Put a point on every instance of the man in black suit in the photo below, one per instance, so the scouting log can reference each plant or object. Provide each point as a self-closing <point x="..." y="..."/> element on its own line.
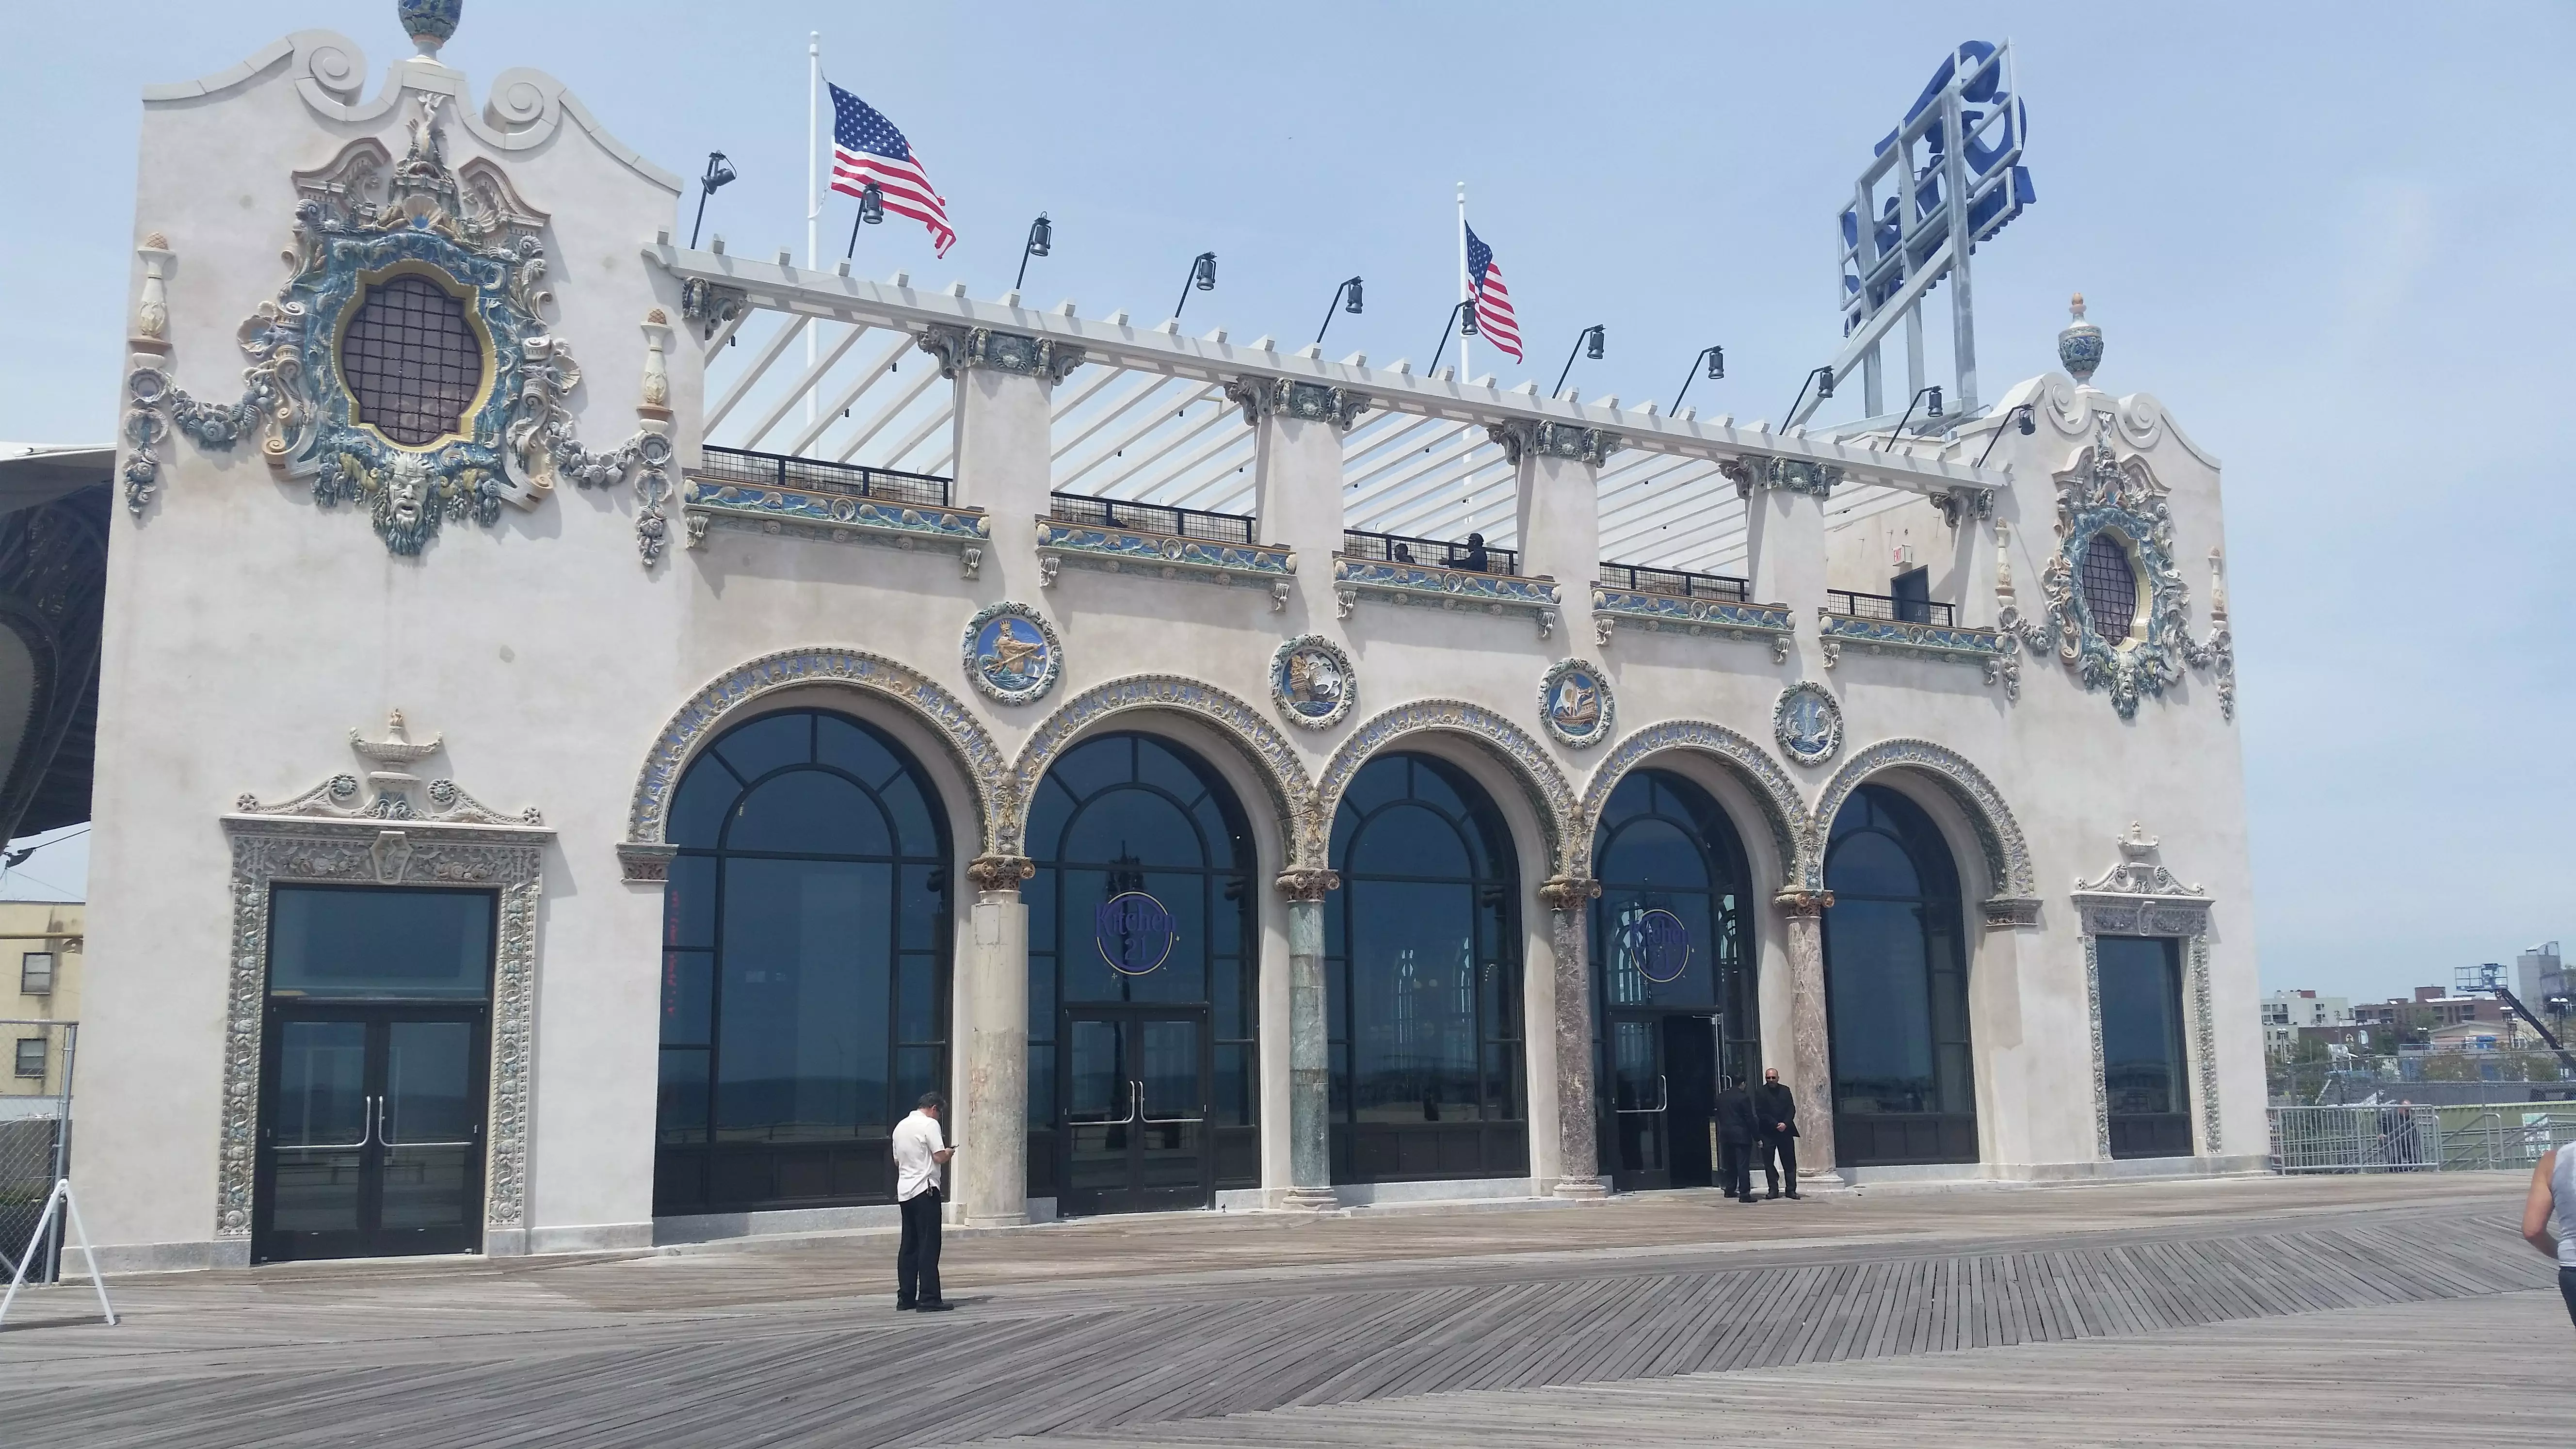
<point x="1736" y="1126"/>
<point x="1775" y="1115"/>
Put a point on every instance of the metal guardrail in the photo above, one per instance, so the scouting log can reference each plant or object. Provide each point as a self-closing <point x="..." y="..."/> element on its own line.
<point x="1853" y="605"/>
<point x="1152" y="518"/>
<point x="35" y="1137"/>
<point x="2504" y="1138"/>
<point x="1678" y="582"/>
<point x="2398" y="1138"/>
<point x="777" y="470"/>
<point x="1403" y="548"/>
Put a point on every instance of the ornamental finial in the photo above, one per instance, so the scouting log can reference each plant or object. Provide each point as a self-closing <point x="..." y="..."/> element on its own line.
<point x="2079" y="347"/>
<point x="429" y="23"/>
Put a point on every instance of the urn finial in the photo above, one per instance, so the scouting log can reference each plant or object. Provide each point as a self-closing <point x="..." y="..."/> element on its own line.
<point x="2079" y="347"/>
<point x="429" y="23"/>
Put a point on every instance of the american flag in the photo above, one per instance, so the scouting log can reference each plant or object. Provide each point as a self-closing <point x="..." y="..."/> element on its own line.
<point x="1493" y="299"/>
<point x="866" y="147"/>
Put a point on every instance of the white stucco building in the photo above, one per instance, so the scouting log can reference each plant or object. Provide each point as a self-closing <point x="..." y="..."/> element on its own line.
<point x="1112" y="727"/>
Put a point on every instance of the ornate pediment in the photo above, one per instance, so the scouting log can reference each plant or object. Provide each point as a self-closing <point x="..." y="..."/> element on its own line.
<point x="2139" y="896"/>
<point x="390" y="792"/>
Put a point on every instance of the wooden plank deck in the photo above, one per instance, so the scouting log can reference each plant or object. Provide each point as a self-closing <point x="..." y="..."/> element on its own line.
<point x="1434" y="1328"/>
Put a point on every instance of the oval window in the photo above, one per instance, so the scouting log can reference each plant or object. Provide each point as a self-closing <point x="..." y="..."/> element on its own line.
<point x="411" y="361"/>
<point x="2110" y="586"/>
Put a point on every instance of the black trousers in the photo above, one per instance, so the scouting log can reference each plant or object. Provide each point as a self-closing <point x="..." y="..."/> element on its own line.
<point x="1735" y="1168"/>
<point x="1779" y="1160"/>
<point x="916" y="1263"/>
<point x="2567" y="1290"/>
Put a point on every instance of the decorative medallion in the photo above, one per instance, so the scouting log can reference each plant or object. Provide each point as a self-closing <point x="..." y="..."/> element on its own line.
<point x="1575" y="703"/>
<point x="406" y="366"/>
<point x="1133" y="932"/>
<point x="1807" y="723"/>
<point x="1657" y="946"/>
<point x="2116" y="602"/>
<point x="1312" y="683"/>
<point x="1011" y="653"/>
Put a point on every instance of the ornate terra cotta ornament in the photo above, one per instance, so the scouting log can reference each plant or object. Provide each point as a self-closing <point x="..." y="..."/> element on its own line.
<point x="406" y="365"/>
<point x="1576" y="705"/>
<point x="2102" y="497"/>
<point x="2079" y="347"/>
<point x="1807" y="723"/>
<point x="1011" y="653"/>
<point x="1312" y="682"/>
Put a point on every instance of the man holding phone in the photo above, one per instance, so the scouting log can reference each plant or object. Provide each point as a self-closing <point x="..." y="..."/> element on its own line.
<point x="920" y="1151"/>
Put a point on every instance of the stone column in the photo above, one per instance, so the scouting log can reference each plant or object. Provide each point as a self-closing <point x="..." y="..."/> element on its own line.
<point x="992" y="1170"/>
<point x="1310" y="1061"/>
<point x="1005" y="383"/>
<point x="1811" y="1064"/>
<point x="1297" y="478"/>
<point x="1577" y="1120"/>
<point x="1784" y="517"/>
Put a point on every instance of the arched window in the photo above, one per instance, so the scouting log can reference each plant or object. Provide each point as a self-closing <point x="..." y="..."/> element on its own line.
<point x="1144" y="965"/>
<point x="806" y="934"/>
<point x="2110" y="586"/>
<point x="1896" y="987"/>
<point x="1423" y="979"/>
<point x="1672" y="977"/>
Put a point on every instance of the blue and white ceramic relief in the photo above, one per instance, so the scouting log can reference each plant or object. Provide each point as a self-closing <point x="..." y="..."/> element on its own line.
<point x="1807" y="723"/>
<point x="1575" y="704"/>
<point x="1011" y="653"/>
<point x="1312" y="683"/>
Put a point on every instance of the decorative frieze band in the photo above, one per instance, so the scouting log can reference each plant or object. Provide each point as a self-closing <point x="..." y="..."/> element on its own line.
<point x="960" y="348"/>
<point x="1789" y="475"/>
<point x="1700" y="618"/>
<point x="824" y="516"/>
<point x="1289" y="398"/>
<point x="1522" y="436"/>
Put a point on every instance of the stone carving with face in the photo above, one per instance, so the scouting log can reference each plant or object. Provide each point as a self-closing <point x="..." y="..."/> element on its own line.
<point x="406" y="503"/>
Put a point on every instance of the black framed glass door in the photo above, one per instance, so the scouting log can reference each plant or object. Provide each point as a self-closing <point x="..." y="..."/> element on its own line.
<point x="1135" y="1083"/>
<point x="2140" y="978"/>
<point x="1663" y="1095"/>
<point x="371" y="1142"/>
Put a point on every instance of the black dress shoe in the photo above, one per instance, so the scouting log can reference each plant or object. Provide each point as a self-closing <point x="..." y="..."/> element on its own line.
<point x="1793" y="1195"/>
<point x="902" y="1307"/>
<point x="933" y="1305"/>
<point x="1775" y="1193"/>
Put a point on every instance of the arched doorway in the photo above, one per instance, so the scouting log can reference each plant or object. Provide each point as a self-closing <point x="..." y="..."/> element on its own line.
<point x="1423" y="979"/>
<point x="806" y="935"/>
<point x="1144" y="964"/>
<point x="1896" y="987"/>
<point x="1674" y="1003"/>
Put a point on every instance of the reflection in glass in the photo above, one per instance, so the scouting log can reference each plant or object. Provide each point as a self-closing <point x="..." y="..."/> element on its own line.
<point x="2142" y="1052"/>
<point x="430" y="1125"/>
<point x="805" y="965"/>
<point x="372" y="943"/>
<point x="1896" y="988"/>
<point x="319" y="1124"/>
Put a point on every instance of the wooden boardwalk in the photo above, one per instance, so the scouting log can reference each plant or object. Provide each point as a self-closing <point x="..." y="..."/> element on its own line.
<point x="1669" y="1315"/>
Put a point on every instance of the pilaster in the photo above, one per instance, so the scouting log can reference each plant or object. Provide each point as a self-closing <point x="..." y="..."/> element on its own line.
<point x="992" y="1123"/>
<point x="1004" y="439"/>
<point x="1310" y="1083"/>
<point x="1557" y="487"/>
<point x="1811" y="1068"/>
<point x="1577" y="1126"/>
<point x="1297" y="476"/>
<point x="1784" y="519"/>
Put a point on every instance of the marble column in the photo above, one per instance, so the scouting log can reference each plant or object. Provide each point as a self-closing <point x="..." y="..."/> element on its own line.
<point x="1811" y="1066"/>
<point x="1310" y="1063"/>
<point x="992" y="1167"/>
<point x="1577" y="1120"/>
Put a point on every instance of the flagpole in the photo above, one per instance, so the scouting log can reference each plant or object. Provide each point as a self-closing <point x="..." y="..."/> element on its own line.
<point x="1465" y="369"/>
<point x="813" y="183"/>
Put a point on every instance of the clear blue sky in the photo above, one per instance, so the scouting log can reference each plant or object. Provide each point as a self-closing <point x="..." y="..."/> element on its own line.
<point x="2324" y="235"/>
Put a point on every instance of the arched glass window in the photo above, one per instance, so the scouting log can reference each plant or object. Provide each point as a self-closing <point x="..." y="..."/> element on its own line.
<point x="1144" y="962"/>
<point x="1673" y="984"/>
<point x="1896" y="987"/>
<point x="806" y="935"/>
<point x="1423" y="979"/>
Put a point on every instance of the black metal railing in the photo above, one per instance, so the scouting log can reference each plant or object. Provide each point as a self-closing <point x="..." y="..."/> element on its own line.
<point x="1888" y="606"/>
<point x="776" y="470"/>
<point x="1152" y="518"/>
<point x="1435" y="552"/>
<point x="1679" y="582"/>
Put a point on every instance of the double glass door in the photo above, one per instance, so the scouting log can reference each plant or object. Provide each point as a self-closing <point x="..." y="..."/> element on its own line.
<point x="371" y="1141"/>
<point x="1663" y="1095"/>
<point x="1135" y="1084"/>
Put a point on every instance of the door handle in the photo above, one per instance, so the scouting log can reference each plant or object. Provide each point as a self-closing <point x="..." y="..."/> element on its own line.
<point x="1663" y="1100"/>
<point x="1135" y="1108"/>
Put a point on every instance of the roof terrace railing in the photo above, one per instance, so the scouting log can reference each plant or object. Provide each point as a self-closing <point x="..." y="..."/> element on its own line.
<point x="1888" y="606"/>
<point x="1404" y="548"/>
<point x="776" y="470"/>
<point x="1152" y="518"/>
<point x="1679" y="582"/>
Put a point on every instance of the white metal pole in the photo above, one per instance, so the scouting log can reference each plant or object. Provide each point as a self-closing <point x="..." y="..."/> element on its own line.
<point x="1465" y="369"/>
<point x="813" y="183"/>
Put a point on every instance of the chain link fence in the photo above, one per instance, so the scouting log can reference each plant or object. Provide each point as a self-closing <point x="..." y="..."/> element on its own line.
<point x="35" y="1138"/>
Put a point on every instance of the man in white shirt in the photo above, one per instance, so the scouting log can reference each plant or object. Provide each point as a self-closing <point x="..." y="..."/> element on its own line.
<point x="919" y="1152"/>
